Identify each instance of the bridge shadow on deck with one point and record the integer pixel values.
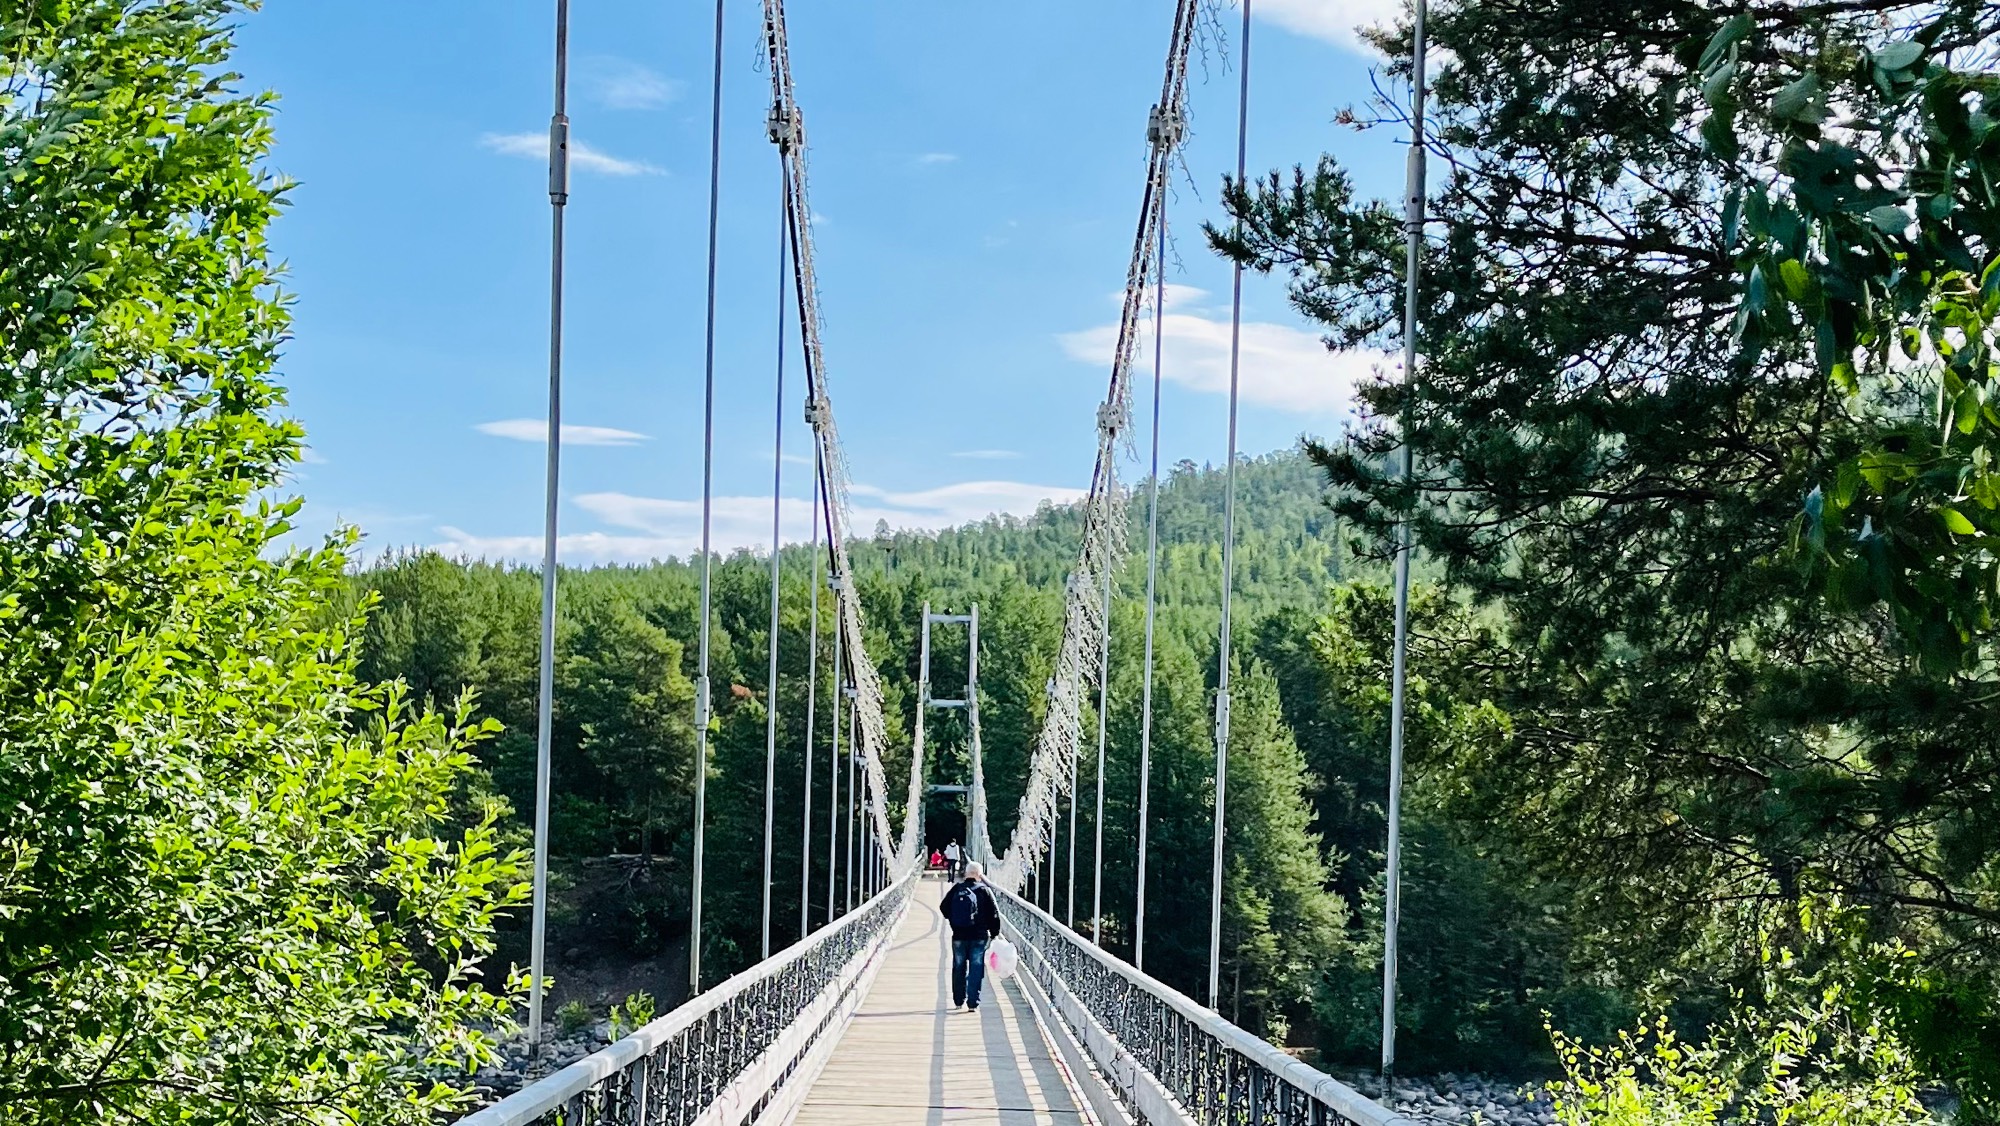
(911, 1059)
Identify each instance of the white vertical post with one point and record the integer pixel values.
(545, 697)
(1392, 900)
(1228, 551)
(702, 701)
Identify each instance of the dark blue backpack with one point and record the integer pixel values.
(961, 907)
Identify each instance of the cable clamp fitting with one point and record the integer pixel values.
(779, 126)
(559, 159)
(816, 413)
(1108, 417)
(1164, 127)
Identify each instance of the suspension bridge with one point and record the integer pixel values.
(854, 1023)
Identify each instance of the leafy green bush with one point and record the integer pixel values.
(1808, 1050)
(573, 1017)
(634, 1014)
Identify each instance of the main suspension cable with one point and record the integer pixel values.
(1056, 744)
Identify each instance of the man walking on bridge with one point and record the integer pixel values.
(952, 858)
(975, 920)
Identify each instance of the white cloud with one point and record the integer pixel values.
(623, 84)
(1335, 21)
(657, 528)
(951, 505)
(938, 158)
(1282, 367)
(537, 430)
(535, 146)
(988, 455)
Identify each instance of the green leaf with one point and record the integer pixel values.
(1732, 32)
(1956, 521)
(1965, 410)
(1797, 283)
(1890, 219)
(1715, 87)
(1899, 56)
(1798, 101)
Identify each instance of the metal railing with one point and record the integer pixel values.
(1169, 1059)
(727, 1055)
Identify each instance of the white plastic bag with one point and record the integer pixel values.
(1001, 958)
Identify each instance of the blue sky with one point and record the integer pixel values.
(976, 177)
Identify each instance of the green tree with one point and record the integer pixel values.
(1281, 928)
(224, 897)
(1605, 466)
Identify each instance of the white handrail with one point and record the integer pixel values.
(551, 1091)
(1345, 1100)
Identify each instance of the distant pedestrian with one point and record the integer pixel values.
(975, 920)
(937, 859)
(954, 858)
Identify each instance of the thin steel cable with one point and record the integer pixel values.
(812, 717)
(1152, 587)
(833, 812)
(1392, 900)
(545, 688)
(777, 566)
(1228, 545)
(850, 807)
(702, 702)
(1097, 824)
(1070, 895)
(833, 771)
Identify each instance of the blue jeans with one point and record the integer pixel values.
(968, 970)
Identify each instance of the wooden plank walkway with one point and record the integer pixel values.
(911, 1059)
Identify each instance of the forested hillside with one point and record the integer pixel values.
(1308, 761)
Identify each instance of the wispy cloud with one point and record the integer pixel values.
(1335, 21)
(623, 84)
(535, 146)
(537, 430)
(643, 528)
(937, 158)
(1282, 367)
(988, 455)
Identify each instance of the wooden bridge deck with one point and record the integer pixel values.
(911, 1059)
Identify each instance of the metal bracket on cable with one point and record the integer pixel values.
(559, 159)
(1108, 417)
(701, 703)
(780, 126)
(816, 413)
(1222, 719)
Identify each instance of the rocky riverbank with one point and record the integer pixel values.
(521, 1063)
(1461, 1099)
